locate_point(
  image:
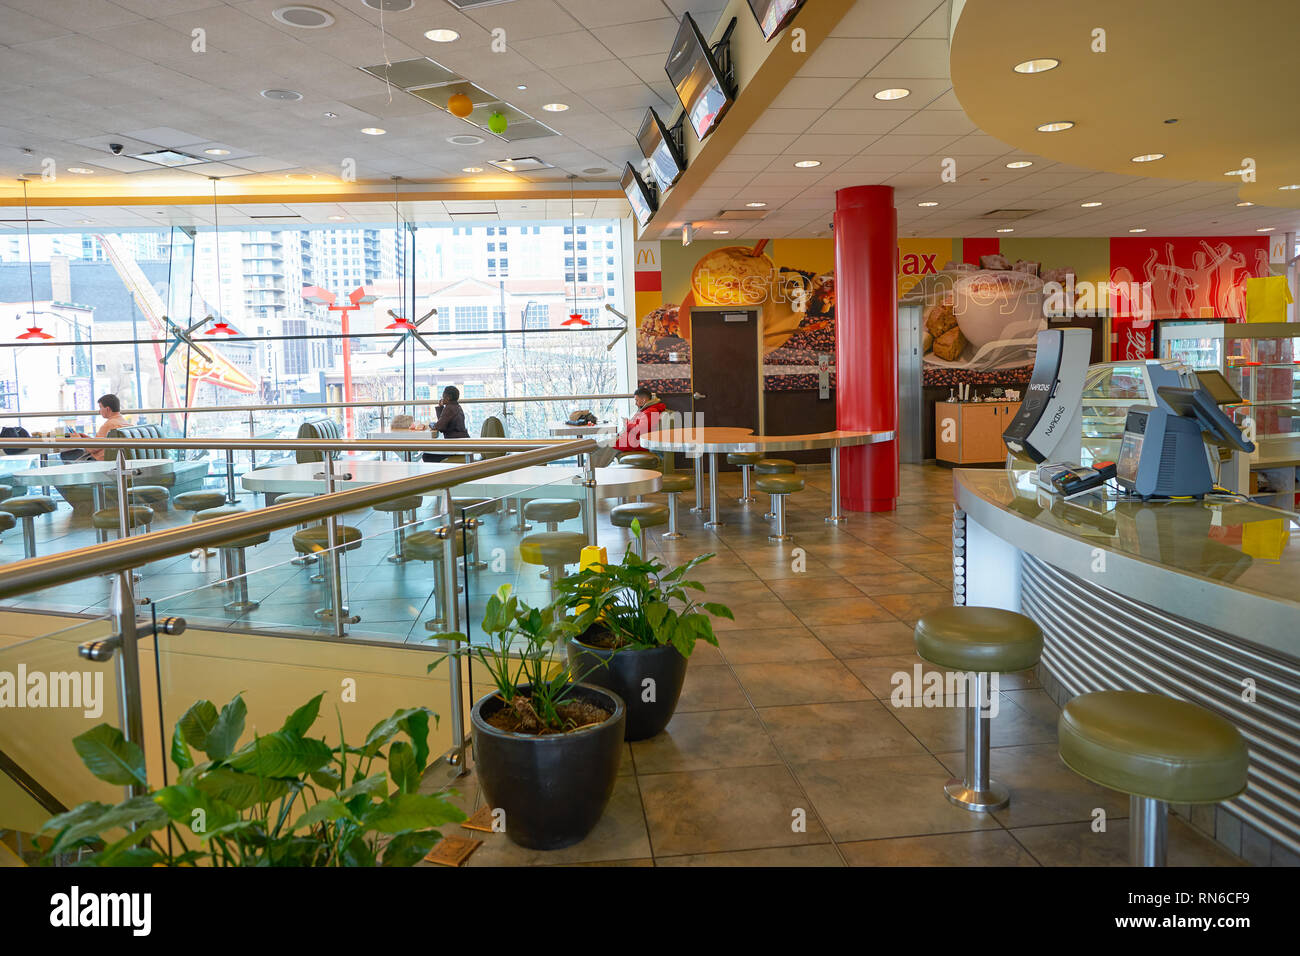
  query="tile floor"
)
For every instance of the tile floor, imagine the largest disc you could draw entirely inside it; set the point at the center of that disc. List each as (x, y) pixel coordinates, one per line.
(785, 749)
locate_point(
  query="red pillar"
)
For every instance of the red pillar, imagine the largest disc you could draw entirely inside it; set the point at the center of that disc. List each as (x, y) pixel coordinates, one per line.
(866, 340)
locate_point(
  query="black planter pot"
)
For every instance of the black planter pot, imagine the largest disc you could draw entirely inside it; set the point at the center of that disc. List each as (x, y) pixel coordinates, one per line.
(624, 671)
(552, 788)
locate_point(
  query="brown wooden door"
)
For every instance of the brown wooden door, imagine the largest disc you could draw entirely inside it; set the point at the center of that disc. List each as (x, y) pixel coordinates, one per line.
(724, 368)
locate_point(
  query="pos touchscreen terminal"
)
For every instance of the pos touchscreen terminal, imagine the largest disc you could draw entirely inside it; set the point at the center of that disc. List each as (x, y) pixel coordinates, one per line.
(1162, 454)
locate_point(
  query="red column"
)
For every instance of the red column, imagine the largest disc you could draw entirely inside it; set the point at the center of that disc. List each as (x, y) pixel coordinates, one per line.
(866, 340)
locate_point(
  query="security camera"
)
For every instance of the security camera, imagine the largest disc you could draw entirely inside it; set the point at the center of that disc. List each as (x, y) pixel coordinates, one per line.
(116, 148)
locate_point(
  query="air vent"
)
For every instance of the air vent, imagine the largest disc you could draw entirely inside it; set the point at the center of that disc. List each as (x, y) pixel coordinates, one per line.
(732, 214)
(306, 18)
(281, 216)
(389, 6)
(521, 164)
(168, 157)
(417, 72)
(473, 4)
(1009, 213)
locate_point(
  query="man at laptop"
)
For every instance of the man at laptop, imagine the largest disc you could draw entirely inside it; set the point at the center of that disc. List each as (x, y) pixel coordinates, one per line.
(110, 409)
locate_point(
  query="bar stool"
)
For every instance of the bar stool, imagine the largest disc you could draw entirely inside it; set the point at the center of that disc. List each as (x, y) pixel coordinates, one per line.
(674, 485)
(1158, 750)
(314, 539)
(746, 460)
(108, 519)
(200, 501)
(399, 508)
(233, 557)
(26, 508)
(469, 504)
(155, 496)
(6, 492)
(553, 550)
(284, 500)
(647, 514)
(773, 466)
(552, 511)
(982, 641)
(427, 546)
(640, 459)
(777, 487)
(7, 521)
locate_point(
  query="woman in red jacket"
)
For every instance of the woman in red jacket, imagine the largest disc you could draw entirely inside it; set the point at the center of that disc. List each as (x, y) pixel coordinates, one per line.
(645, 420)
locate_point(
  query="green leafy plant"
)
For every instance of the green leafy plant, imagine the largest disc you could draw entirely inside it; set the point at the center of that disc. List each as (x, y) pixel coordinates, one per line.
(522, 649)
(282, 799)
(643, 604)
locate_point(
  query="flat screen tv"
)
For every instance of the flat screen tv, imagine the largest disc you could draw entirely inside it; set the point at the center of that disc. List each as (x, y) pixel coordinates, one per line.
(698, 80)
(634, 187)
(666, 162)
(774, 15)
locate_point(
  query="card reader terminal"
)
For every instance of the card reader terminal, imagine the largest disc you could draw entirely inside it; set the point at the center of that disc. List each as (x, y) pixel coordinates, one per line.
(1079, 479)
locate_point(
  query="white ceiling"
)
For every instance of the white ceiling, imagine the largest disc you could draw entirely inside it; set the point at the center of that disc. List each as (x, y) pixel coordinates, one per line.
(78, 74)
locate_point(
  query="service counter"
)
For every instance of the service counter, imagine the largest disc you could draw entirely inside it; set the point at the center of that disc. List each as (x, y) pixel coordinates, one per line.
(1195, 600)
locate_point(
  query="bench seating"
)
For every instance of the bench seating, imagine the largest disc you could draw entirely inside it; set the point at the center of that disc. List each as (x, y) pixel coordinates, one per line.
(185, 476)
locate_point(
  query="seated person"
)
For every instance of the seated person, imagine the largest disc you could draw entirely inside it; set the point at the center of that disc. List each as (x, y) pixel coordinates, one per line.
(451, 419)
(649, 408)
(110, 409)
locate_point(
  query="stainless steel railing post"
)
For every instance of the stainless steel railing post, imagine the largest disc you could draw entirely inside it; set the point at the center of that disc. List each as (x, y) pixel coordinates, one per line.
(231, 497)
(252, 433)
(130, 700)
(123, 519)
(451, 614)
(339, 612)
(589, 512)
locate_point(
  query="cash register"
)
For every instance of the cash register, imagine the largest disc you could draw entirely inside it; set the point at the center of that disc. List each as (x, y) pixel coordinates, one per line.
(1163, 452)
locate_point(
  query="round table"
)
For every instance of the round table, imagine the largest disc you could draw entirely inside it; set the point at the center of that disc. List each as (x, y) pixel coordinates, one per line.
(402, 434)
(724, 441)
(96, 474)
(564, 429)
(543, 481)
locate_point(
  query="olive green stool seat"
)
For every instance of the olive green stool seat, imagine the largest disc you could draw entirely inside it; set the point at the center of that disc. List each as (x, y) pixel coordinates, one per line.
(640, 459)
(478, 510)
(400, 508)
(199, 500)
(674, 485)
(777, 486)
(156, 496)
(6, 492)
(774, 466)
(234, 564)
(1158, 750)
(554, 550)
(25, 509)
(314, 540)
(647, 514)
(427, 546)
(746, 460)
(7, 521)
(979, 641)
(552, 511)
(108, 519)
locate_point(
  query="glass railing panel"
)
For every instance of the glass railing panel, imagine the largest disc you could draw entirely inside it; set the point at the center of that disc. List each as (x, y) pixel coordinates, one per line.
(51, 695)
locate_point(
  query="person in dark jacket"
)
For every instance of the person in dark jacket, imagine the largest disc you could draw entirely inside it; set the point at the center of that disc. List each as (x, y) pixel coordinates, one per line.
(451, 419)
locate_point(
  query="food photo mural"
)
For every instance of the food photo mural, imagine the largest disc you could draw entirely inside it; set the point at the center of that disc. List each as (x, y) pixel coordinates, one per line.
(790, 283)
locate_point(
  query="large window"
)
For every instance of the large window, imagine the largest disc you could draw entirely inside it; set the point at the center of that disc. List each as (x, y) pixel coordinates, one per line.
(471, 318)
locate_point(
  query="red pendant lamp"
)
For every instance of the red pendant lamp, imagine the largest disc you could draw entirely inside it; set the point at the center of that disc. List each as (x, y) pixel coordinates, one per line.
(34, 331)
(221, 326)
(575, 317)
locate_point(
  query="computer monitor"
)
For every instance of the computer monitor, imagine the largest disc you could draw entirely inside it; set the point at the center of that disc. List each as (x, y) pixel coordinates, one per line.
(634, 187)
(1197, 403)
(1220, 388)
(1130, 448)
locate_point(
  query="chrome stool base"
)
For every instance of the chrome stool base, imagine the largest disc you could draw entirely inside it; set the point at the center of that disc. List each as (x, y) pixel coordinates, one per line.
(996, 797)
(836, 519)
(242, 607)
(327, 614)
(396, 559)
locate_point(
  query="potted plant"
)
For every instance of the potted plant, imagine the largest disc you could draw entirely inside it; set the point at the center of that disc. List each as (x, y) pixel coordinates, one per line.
(640, 624)
(282, 799)
(546, 748)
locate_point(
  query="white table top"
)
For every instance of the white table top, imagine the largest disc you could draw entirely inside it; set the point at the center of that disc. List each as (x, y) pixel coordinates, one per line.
(582, 431)
(90, 472)
(741, 440)
(402, 434)
(559, 482)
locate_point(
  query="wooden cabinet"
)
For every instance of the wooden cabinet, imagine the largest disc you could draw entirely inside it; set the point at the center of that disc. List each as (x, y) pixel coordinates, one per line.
(968, 433)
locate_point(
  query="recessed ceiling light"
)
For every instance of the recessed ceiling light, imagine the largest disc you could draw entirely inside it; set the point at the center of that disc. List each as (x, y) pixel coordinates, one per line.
(1139, 229)
(1264, 229)
(1006, 229)
(1056, 127)
(595, 170)
(1039, 65)
(86, 222)
(81, 170)
(1245, 204)
(1090, 205)
(328, 114)
(928, 203)
(305, 18)
(336, 217)
(578, 213)
(722, 232)
(1148, 157)
(286, 95)
(522, 86)
(897, 93)
(755, 205)
(555, 107)
(472, 169)
(442, 36)
(217, 152)
(808, 163)
(465, 139)
(1235, 172)
(1019, 164)
(1292, 186)
(374, 131)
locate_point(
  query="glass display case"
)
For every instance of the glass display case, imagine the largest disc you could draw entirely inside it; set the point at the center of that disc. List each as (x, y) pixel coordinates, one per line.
(1108, 391)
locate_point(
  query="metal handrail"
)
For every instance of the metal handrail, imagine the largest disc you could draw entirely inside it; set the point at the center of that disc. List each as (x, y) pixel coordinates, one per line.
(308, 406)
(128, 552)
(467, 445)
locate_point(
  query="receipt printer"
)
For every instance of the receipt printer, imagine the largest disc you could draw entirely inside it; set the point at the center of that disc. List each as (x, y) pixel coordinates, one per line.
(1050, 420)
